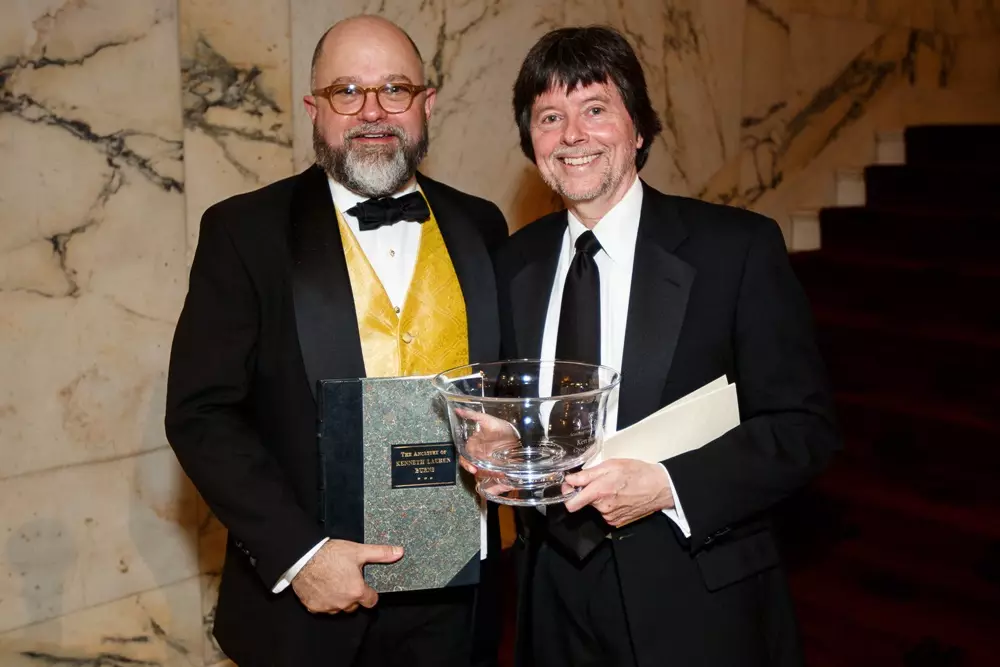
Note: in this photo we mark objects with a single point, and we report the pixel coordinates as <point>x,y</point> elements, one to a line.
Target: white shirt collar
<point>618,229</point>
<point>343,198</point>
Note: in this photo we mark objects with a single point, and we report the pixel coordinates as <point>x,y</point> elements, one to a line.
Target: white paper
<point>686,424</point>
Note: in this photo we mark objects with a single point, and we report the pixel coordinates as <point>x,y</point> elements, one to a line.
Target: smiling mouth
<point>579,161</point>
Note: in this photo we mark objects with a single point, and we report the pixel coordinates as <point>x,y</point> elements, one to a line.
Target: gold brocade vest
<point>431,335</point>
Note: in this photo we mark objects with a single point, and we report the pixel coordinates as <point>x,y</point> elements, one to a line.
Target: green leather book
<point>389,474</point>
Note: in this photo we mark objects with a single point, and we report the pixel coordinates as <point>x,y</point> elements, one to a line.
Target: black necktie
<point>374,213</point>
<point>578,339</point>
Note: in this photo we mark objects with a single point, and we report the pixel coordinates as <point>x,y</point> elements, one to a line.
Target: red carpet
<point>894,555</point>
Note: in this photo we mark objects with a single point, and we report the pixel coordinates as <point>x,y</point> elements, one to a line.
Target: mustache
<point>374,128</point>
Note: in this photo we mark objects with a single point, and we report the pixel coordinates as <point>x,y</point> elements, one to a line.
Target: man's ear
<point>430,97</point>
<point>310,104</point>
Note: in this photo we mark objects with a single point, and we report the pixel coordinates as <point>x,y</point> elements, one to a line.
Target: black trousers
<point>577,615</point>
<point>420,628</point>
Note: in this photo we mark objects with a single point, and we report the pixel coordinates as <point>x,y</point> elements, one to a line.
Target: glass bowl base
<point>524,493</point>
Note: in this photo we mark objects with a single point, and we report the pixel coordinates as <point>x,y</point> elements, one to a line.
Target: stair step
<point>805,231</point>
<point>850,187</point>
<point>955,581</point>
<point>957,567</point>
<point>950,460</point>
<point>834,639</point>
<point>903,629</point>
<point>945,238</point>
<point>890,147</point>
<point>952,144</point>
<point>848,505</point>
<point>876,586</point>
<point>894,552</point>
<point>902,292</point>
<point>932,187</point>
<point>962,576</point>
<point>924,330</point>
<point>924,369</point>
<point>957,414</point>
<point>894,513</point>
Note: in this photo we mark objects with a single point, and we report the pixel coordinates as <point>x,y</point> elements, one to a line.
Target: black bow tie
<point>375,213</point>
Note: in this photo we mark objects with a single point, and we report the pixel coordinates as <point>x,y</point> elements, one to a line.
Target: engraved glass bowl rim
<point>441,382</point>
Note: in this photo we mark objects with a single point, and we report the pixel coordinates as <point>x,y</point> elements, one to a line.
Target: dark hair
<point>573,57</point>
<point>318,51</point>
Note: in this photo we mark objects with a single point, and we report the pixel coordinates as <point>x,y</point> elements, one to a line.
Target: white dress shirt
<point>390,249</point>
<point>392,252</point>
<point>616,232</point>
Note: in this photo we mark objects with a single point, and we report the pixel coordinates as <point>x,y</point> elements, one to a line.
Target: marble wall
<point>122,120</point>
<point>762,100</point>
<point>98,527</point>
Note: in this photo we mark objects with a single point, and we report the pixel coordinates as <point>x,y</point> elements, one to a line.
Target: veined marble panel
<point>84,379</point>
<point>820,49</point>
<point>766,75</point>
<point>795,134</point>
<point>81,536</point>
<point>211,555</point>
<point>812,186</point>
<point>237,100</point>
<point>160,627</point>
<point>211,653</point>
<point>92,256</point>
<point>691,50</point>
<point>766,39</point>
<point>790,57</point>
<point>937,78</point>
<point>965,17</point>
<point>953,17</point>
<point>968,63</point>
<point>945,106</point>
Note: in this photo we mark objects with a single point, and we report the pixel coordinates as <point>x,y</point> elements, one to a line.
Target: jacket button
<point>408,337</point>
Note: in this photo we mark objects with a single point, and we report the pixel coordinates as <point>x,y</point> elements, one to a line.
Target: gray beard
<point>372,171</point>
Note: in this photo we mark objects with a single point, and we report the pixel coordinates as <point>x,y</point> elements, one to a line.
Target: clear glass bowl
<point>526,423</point>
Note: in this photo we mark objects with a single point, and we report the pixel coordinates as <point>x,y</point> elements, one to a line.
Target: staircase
<point>894,554</point>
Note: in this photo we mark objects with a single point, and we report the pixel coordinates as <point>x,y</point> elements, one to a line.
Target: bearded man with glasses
<point>357,267</point>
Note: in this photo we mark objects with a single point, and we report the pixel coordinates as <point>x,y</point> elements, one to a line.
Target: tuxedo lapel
<point>321,287</point>
<point>473,267</point>
<point>661,286</point>
<point>531,285</point>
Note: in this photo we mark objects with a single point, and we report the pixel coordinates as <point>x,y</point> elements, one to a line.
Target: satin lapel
<point>473,267</point>
<point>661,286</point>
<point>531,286</point>
<point>321,287</point>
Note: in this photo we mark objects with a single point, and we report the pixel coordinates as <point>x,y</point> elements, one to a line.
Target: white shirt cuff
<point>286,578</point>
<point>676,513</point>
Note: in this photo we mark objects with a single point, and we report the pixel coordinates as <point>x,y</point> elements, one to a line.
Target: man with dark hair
<point>359,266</point>
<point>671,563</point>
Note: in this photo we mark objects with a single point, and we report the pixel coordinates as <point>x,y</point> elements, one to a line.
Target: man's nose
<point>372,111</point>
<point>573,132</point>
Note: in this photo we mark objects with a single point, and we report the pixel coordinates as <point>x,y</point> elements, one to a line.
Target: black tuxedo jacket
<point>712,293</point>
<point>269,312</point>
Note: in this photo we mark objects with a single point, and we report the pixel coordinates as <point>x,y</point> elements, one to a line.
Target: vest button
<point>408,337</point>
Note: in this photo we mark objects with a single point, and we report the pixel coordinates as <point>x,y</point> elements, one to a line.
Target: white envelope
<point>686,424</point>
